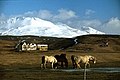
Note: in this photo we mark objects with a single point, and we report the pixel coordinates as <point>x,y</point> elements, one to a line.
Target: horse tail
<point>73,58</point>
<point>43,59</point>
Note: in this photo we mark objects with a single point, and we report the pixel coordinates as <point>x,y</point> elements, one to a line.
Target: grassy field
<point>26,66</point>
<point>34,58</point>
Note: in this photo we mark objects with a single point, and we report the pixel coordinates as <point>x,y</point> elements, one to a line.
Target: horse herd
<point>61,60</point>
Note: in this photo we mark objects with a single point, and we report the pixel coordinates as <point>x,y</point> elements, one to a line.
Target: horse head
<point>55,65</point>
<point>93,59</point>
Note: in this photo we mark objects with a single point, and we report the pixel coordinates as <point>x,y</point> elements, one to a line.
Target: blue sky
<point>103,9</point>
<point>95,12</point>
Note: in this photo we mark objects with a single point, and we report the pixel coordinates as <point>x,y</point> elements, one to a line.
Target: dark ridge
<point>89,43</point>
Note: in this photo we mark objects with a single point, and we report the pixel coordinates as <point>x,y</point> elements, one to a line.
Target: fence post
<point>85,72</point>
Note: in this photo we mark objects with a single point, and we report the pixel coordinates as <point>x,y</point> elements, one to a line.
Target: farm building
<point>19,46</point>
<point>27,46</point>
<point>42,47</point>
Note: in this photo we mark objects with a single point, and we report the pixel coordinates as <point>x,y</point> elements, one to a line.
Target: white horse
<point>76,60</point>
<point>49,59</point>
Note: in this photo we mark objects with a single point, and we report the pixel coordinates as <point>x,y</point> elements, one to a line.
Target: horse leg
<point>44,65</point>
<point>89,65</point>
<point>73,65</point>
<point>66,64</point>
<point>78,65</point>
<point>86,65</point>
<point>52,65</point>
<point>62,64</point>
<point>41,65</point>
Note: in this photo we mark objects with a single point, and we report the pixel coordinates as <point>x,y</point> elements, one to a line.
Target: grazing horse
<point>49,59</point>
<point>63,59</point>
<point>76,60</point>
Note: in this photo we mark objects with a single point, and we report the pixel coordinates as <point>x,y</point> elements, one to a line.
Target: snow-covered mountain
<point>39,27</point>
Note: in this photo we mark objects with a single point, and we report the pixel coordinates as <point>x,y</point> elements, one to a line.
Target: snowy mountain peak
<point>36,26</point>
<point>90,30</point>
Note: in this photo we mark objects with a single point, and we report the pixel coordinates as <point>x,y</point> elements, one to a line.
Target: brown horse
<point>62,59</point>
<point>76,60</point>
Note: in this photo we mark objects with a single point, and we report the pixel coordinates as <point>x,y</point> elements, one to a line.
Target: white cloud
<point>2,17</point>
<point>29,13</point>
<point>61,15</point>
<point>65,14</point>
<point>112,26</point>
<point>93,23</point>
<point>88,23</point>
<point>45,14</point>
<point>114,22</point>
<point>89,12</point>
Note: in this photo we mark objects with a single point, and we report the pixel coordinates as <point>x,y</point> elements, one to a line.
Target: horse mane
<point>63,55</point>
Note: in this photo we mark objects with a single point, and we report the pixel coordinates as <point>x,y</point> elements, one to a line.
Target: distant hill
<point>85,43</point>
<point>97,43</point>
